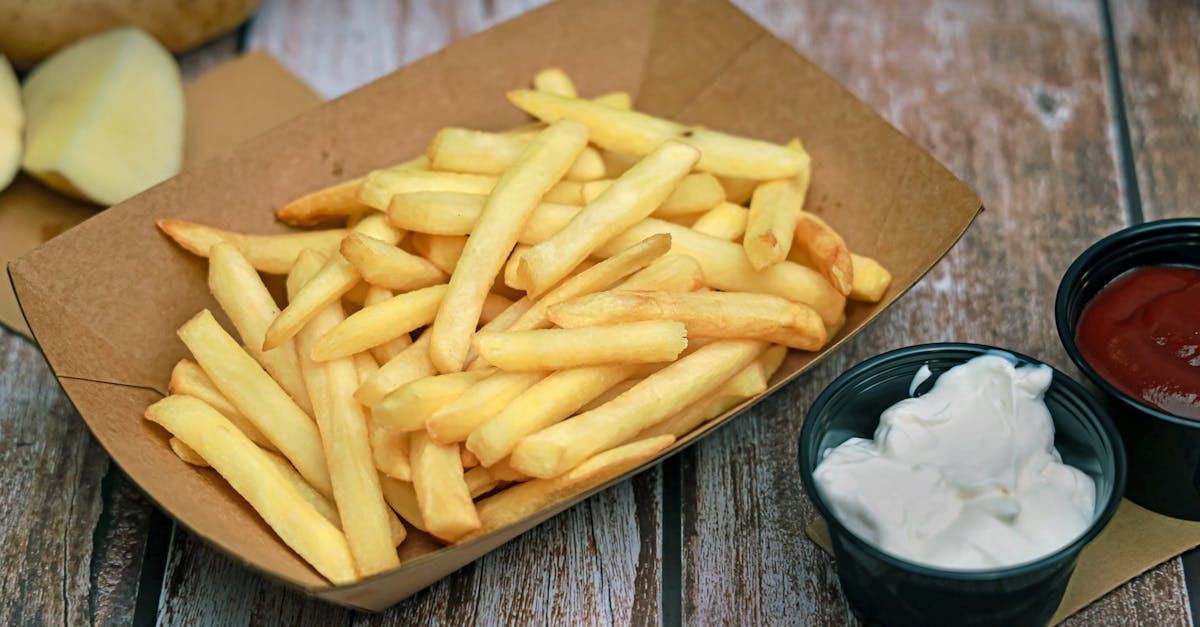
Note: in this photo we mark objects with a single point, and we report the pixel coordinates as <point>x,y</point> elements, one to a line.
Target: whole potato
<point>31,30</point>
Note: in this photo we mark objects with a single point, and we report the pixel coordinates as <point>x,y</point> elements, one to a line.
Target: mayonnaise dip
<point>965,477</point>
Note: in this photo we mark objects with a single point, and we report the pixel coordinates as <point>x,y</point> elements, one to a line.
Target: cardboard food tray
<point>104,300</point>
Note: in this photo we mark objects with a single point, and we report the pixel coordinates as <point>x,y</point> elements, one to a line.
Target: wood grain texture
<point>1013,98</point>
<point>1160,68</point>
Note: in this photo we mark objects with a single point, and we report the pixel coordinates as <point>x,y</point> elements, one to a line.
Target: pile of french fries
<point>634,279</point>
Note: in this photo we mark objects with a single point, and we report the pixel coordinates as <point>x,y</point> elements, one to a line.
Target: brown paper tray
<point>104,299</point>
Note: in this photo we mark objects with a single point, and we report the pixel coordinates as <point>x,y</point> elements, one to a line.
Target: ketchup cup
<point>1163,449</point>
<point>884,589</point>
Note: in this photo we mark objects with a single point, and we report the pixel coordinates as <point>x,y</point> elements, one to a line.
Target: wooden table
<point>1071,118</point>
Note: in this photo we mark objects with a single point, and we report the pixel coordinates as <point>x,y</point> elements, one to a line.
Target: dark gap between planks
<point>672,544</point>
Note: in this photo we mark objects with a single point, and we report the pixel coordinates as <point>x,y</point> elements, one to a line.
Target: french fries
<point>509,206</point>
<point>671,305</point>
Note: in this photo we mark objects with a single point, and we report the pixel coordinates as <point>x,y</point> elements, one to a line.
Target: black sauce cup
<point>1163,449</point>
<point>884,589</point>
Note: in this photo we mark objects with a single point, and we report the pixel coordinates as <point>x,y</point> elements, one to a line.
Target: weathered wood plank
<point>1160,62</point>
<point>1013,98</point>
<point>75,527</point>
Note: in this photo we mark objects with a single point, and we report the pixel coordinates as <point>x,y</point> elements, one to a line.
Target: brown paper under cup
<point>226,105</point>
<point>104,299</point>
<point>1135,540</point>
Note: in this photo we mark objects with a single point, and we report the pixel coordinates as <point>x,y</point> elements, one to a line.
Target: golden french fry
<point>628,201</point>
<point>467,458</point>
<point>560,447</point>
<point>240,291</point>
<point>738,190</point>
<point>771,223</point>
<point>390,448</point>
<point>554,80</point>
<point>548,401</point>
<point>636,133</point>
<point>442,251</point>
<point>335,201</point>
<point>725,221</point>
<point>615,99</point>
<point>320,502</point>
<point>724,263</point>
<point>379,323</point>
<point>871,280</point>
<point>411,364</point>
<point>185,453</point>
<point>442,493</point>
<point>595,278</point>
<point>772,359</point>
<point>827,250</point>
<point>525,499</point>
<point>454,422</point>
<point>511,278</point>
<point>413,403</point>
<point>188,378</point>
<point>507,209</point>
<point>402,498</point>
<point>383,353</point>
<point>671,273</point>
<point>257,397</point>
<point>334,280</point>
<point>246,468</point>
<point>739,315</point>
<point>387,266</point>
<point>272,254</point>
<point>480,481</point>
<point>554,349</point>
<point>480,152</point>
<point>380,186</point>
<point>436,214</point>
<point>694,194</point>
<point>748,382</point>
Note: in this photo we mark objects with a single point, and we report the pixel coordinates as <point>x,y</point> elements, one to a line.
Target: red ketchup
<point>1142,334</point>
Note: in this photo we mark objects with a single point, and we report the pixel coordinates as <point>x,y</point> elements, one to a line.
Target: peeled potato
<point>104,117</point>
<point>11,121</point>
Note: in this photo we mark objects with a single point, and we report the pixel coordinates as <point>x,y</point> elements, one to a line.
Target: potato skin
<point>31,30</point>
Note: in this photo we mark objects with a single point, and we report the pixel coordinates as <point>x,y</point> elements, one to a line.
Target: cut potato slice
<point>105,117</point>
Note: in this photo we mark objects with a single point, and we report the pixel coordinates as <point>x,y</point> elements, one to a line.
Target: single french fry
<point>343,426</point>
<point>871,280</point>
<point>380,186</point>
<point>670,273</point>
<point>615,99</point>
<point>188,378</point>
<point>827,251</point>
<point>771,223</point>
<point>525,499</point>
<point>185,453</point>
<point>386,351</point>
<point>507,209</point>
<point>598,277</point>
<point>272,254</point>
<point>402,498</point>
<point>738,190</point>
<point>413,403</point>
<point>554,349</point>
<point>560,447</point>
<point>411,364</point>
<point>694,194</point>
<point>442,492</point>
<point>636,133</point>
<point>246,468</point>
<point>772,359</point>
<point>546,402</point>
<point>379,323</point>
<point>390,448</point>
<point>335,201</point>
<point>738,315</point>
<point>480,152</point>
<point>442,251</point>
<point>333,281</point>
<point>480,481</point>
<point>241,293</point>
<point>748,382</point>
<point>257,397</point>
<point>725,221</point>
<point>511,278</point>
<point>628,201</point>
<point>724,263</point>
<point>454,422</point>
<point>387,266</point>
<point>554,80</point>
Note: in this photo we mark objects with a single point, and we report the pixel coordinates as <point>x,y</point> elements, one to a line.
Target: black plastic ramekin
<point>1163,449</point>
<point>885,589</point>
